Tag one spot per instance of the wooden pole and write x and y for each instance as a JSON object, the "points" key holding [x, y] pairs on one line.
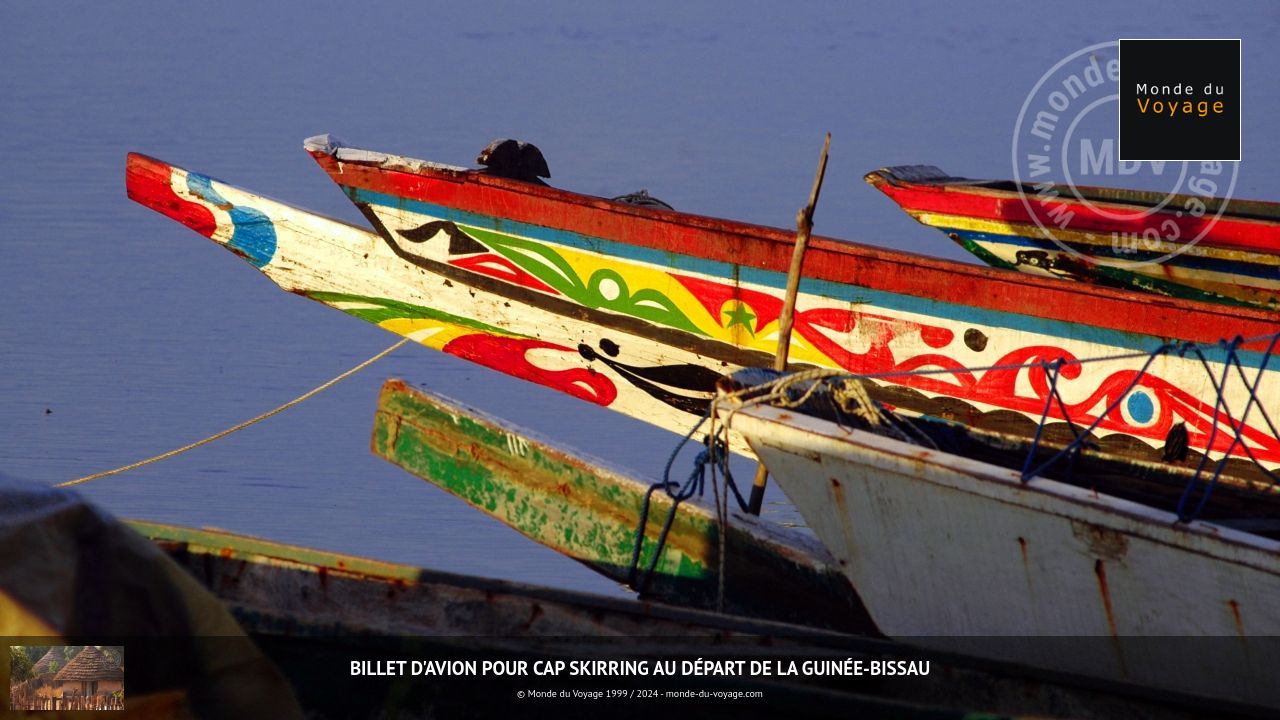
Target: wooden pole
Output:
{"points": [[804, 226]]}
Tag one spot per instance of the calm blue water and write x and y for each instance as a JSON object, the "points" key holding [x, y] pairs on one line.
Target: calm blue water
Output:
{"points": [[140, 336]]}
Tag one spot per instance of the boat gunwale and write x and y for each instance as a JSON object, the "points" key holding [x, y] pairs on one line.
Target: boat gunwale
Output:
{"points": [[945, 221], [259, 551], [1265, 212]]}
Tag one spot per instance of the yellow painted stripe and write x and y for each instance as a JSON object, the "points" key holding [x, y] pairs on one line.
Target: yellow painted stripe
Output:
{"points": [[639, 277], [430, 332]]}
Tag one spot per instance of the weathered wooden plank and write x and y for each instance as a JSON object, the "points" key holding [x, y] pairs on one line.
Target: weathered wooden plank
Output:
{"points": [[590, 512], [323, 593]]}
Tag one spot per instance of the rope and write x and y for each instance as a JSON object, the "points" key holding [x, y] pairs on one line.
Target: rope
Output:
{"points": [[711, 455], [235, 428], [1232, 359], [820, 373], [1253, 396], [853, 399], [1220, 408], [722, 508], [1219, 403]]}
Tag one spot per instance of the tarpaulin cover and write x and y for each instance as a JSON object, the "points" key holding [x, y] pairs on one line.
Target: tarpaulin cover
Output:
{"points": [[72, 574]]}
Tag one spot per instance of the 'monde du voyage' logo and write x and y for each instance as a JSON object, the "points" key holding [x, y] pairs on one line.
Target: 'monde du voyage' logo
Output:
{"points": [[1066, 144]]}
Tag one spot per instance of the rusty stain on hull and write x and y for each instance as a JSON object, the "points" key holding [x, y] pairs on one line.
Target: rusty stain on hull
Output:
{"points": [[1100, 570], [842, 503], [1235, 615], [1026, 567]]}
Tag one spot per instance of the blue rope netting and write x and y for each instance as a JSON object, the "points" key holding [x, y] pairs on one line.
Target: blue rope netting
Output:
{"points": [[713, 455], [1231, 359]]}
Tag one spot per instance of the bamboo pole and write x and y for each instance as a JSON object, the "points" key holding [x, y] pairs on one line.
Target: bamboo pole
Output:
{"points": [[804, 226]]}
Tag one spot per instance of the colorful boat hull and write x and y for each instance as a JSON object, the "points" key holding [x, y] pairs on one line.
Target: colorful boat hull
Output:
{"points": [[1115, 239], [641, 310], [715, 287], [354, 270], [590, 512], [944, 548]]}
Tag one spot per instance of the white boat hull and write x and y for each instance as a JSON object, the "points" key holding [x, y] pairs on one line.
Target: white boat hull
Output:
{"points": [[945, 549]]}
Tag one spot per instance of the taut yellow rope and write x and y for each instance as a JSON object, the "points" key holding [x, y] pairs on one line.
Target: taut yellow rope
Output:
{"points": [[305, 396]]}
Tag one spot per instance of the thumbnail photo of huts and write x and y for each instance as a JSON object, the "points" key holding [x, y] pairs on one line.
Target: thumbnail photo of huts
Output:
{"points": [[66, 677]]}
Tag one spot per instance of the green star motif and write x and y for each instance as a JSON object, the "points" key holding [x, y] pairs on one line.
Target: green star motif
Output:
{"points": [[740, 315]]}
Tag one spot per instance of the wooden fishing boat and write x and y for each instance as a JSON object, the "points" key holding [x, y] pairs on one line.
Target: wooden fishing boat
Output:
{"points": [[1122, 238], [642, 309], [591, 512], [959, 553], [313, 612]]}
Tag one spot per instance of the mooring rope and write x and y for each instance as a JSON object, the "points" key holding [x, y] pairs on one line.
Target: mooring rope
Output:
{"points": [[678, 493], [236, 428]]}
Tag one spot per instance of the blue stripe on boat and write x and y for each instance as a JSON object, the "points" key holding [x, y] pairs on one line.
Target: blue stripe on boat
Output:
{"points": [[253, 233]]}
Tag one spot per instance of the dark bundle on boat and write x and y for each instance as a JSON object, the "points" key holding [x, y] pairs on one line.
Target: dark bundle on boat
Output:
{"points": [[515, 160]]}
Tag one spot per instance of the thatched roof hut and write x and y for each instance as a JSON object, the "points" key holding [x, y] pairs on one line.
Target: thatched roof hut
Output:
{"points": [[89, 665], [42, 665]]}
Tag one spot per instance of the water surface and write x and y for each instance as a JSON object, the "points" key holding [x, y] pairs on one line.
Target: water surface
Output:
{"points": [[122, 334]]}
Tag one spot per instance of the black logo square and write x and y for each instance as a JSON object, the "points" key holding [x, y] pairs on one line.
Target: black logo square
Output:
{"points": [[1180, 100]]}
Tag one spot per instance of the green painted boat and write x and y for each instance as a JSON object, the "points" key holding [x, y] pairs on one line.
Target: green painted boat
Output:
{"points": [[588, 511]]}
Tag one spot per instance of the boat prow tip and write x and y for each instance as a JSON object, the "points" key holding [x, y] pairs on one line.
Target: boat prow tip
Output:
{"points": [[229, 216], [137, 164], [906, 175], [323, 144], [149, 182], [876, 178]]}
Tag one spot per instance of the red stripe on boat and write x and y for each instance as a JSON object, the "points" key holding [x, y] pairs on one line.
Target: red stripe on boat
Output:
{"points": [[1005, 206], [148, 182], [511, 356]]}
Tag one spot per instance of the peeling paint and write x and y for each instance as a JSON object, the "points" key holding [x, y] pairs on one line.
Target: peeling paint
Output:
{"points": [[590, 513]]}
